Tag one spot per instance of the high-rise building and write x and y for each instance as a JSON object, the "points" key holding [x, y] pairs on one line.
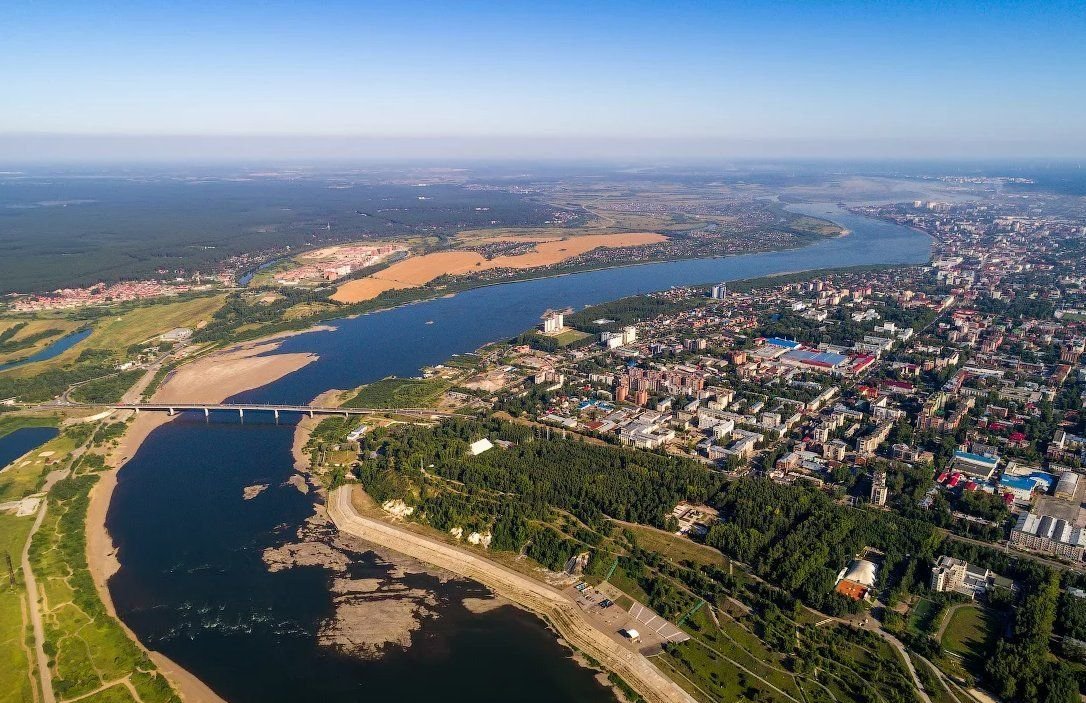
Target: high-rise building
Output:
{"points": [[879, 491], [553, 322], [719, 291]]}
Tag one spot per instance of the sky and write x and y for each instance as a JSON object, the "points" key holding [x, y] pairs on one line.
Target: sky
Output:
{"points": [[94, 79]]}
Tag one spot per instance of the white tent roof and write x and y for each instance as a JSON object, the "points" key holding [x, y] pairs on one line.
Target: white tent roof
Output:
{"points": [[862, 571], [480, 446]]}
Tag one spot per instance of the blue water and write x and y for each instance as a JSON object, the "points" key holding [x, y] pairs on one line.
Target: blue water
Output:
{"points": [[192, 583], [400, 341], [14, 444], [55, 349]]}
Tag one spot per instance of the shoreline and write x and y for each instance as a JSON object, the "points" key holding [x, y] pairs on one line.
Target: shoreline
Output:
{"points": [[557, 611], [221, 372], [213, 378]]}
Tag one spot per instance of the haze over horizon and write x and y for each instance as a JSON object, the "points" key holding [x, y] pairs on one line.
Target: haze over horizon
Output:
{"points": [[278, 80]]}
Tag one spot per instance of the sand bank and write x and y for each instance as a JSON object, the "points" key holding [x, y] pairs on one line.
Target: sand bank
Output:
{"points": [[209, 379], [217, 376], [420, 270], [102, 555]]}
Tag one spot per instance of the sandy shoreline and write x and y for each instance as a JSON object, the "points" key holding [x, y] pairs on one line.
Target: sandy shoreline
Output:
{"points": [[419, 270], [219, 375], [208, 379]]}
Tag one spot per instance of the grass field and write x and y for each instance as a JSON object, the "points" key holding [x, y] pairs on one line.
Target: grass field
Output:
{"points": [[969, 634], [15, 662], [26, 476], [568, 337], [921, 615], [87, 648], [399, 393], [31, 329], [10, 423], [676, 548], [115, 334], [18, 481]]}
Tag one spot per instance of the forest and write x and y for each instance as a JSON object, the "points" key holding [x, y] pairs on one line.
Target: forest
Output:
{"points": [[81, 230]]}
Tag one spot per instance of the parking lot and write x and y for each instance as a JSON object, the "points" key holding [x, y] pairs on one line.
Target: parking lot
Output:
{"points": [[598, 604]]}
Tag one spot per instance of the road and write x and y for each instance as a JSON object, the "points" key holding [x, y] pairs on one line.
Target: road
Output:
{"points": [[556, 608]]}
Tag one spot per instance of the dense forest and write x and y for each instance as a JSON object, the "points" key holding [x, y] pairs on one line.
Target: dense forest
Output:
{"points": [[799, 539], [78, 231]]}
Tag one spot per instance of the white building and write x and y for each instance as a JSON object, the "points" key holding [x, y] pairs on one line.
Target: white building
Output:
{"points": [[553, 322], [879, 491], [951, 574]]}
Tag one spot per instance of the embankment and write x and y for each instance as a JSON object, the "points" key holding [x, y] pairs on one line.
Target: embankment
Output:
{"points": [[559, 611]]}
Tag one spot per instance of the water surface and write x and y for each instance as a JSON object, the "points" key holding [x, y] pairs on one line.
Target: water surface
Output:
{"points": [[14, 444], [192, 582], [55, 349]]}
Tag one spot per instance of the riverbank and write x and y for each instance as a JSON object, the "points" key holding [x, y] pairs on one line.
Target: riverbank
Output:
{"points": [[552, 606], [211, 378], [410, 338], [418, 271], [219, 375]]}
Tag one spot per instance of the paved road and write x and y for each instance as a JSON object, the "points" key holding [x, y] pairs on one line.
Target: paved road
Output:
{"points": [[560, 611]]}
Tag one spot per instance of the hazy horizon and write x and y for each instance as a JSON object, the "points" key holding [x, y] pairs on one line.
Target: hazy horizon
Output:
{"points": [[33, 149], [611, 80]]}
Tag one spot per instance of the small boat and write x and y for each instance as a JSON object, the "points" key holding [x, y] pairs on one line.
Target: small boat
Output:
{"points": [[429, 322]]}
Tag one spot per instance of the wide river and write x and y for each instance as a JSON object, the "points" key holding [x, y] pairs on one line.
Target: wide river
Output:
{"points": [[192, 582]]}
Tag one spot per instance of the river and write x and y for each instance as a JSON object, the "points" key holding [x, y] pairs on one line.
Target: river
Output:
{"points": [[192, 583]]}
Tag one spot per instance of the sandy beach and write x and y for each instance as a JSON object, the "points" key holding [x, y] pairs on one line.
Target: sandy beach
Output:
{"points": [[209, 379], [217, 376], [419, 270]]}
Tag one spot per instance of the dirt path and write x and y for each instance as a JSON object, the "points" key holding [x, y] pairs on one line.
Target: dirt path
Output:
{"points": [[947, 617], [33, 594], [557, 609]]}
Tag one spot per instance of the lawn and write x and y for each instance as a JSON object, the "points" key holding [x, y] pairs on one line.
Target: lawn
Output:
{"points": [[676, 548], [969, 632], [568, 337], [15, 686], [920, 616], [399, 393], [623, 582]]}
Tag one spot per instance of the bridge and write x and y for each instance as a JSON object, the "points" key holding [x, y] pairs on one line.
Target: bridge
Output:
{"points": [[242, 408]]}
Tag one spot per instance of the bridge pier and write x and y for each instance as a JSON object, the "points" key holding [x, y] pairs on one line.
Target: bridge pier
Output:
{"points": [[170, 411], [241, 414], [310, 413], [276, 412], [207, 412]]}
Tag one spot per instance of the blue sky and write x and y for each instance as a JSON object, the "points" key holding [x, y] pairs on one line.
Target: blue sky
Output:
{"points": [[891, 76]]}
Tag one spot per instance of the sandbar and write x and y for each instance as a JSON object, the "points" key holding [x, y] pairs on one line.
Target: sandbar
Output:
{"points": [[208, 379], [419, 270]]}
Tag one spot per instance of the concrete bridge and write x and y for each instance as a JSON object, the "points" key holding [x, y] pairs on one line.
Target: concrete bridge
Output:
{"points": [[242, 408]]}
